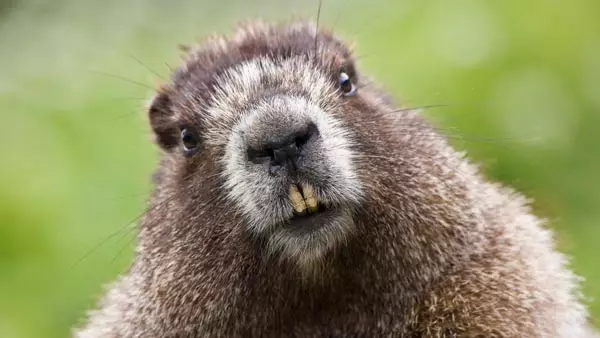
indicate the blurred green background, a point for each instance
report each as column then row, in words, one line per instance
column 521, row 80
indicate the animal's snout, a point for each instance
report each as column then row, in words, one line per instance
column 285, row 151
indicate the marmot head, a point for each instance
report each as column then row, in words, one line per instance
column 280, row 117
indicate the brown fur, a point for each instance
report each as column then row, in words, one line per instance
column 437, row 252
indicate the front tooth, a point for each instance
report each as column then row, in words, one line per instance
column 310, row 198
column 297, row 201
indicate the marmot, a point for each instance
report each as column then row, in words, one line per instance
column 294, row 199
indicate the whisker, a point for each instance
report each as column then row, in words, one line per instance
column 148, row 210
column 452, row 134
column 362, row 56
column 338, row 15
column 369, row 23
column 170, row 67
column 123, row 98
column 105, row 240
column 402, row 161
column 127, row 244
column 364, row 85
column 145, row 66
column 474, row 138
column 114, row 234
column 438, row 132
column 125, row 115
column 112, row 199
column 124, row 226
column 97, row 246
column 124, row 79
column 402, row 110
column 317, row 31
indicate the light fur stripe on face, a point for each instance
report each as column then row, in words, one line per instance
column 240, row 85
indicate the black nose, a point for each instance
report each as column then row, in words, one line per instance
column 284, row 151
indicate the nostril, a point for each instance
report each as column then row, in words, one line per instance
column 260, row 156
column 279, row 150
column 301, row 140
column 305, row 136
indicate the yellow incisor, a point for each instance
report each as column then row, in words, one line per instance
column 303, row 201
column 297, row 200
column 309, row 198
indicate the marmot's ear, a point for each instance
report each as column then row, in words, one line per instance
column 162, row 120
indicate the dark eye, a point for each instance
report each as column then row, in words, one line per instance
column 346, row 84
column 189, row 139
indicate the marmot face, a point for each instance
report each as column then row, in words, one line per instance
column 264, row 112
column 288, row 161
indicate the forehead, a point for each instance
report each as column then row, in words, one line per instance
column 248, row 83
column 206, row 63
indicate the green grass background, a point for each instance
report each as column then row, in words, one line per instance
column 521, row 80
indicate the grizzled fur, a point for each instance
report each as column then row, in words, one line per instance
column 425, row 247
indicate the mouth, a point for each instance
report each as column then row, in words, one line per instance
column 309, row 212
